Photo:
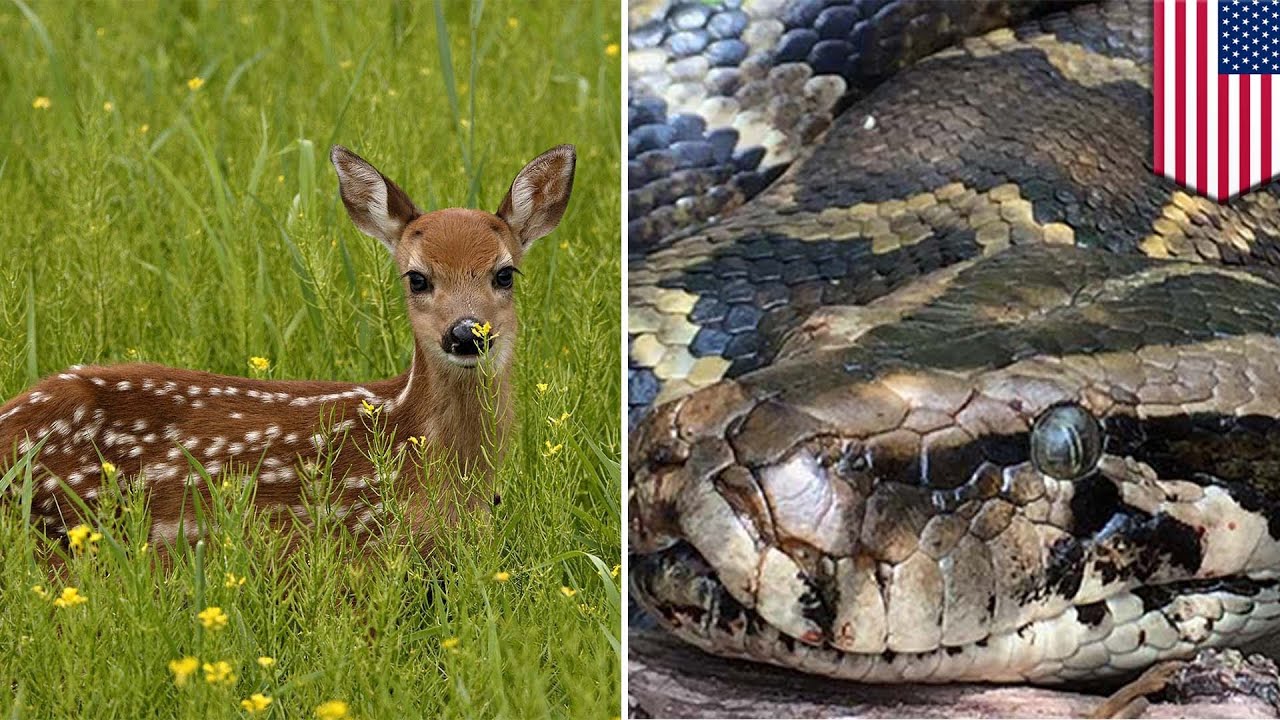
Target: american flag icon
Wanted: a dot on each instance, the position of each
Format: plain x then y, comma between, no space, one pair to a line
1215,111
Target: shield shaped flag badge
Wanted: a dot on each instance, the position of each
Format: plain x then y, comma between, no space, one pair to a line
1215,110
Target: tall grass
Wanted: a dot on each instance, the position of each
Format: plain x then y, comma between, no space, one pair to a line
167,197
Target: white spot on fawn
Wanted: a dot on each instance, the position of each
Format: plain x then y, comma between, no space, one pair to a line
136,451
79,414
148,383
235,449
215,447
253,436
197,404
194,391
139,425
149,438
236,416
124,386
98,381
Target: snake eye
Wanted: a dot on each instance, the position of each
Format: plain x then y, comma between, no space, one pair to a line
1066,442
418,283
504,278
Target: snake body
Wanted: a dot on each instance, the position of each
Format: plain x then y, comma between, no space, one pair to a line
967,393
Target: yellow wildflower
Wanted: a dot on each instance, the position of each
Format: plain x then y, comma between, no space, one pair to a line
108,469
219,673
260,364
564,244
450,644
232,581
502,576
195,83
143,128
615,570
100,32
82,537
183,669
256,703
567,591
332,710
41,103
542,388
266,661
40,592
70,597
345,64
108,106
212,618
551,449
556,421
513,23
612,49
482,331
369,409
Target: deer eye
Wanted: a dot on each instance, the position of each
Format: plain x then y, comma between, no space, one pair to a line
418,283
504,278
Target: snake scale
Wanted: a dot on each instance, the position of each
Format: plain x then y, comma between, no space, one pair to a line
966,393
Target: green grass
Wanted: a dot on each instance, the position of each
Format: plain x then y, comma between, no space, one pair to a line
146,220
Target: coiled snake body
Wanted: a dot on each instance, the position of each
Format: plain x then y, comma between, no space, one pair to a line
967,393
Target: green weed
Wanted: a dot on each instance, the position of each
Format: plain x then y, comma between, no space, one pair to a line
167,198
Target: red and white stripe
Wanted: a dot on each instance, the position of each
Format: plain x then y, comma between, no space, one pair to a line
1212,132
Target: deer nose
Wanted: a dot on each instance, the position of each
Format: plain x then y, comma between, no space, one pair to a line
460,340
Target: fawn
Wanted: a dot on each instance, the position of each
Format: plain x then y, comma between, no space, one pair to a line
458,267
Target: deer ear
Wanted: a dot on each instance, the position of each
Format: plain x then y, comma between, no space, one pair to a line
540,193
377,206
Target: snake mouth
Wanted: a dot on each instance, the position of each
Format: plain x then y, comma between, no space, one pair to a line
1105,639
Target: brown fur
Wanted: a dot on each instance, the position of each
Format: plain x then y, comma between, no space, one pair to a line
140,417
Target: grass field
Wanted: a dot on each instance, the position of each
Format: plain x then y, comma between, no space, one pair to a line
167,197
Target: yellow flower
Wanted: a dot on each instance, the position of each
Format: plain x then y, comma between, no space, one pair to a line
256,703
615,570
195,83
108,469
345,64
219,673
212,618
542,388
232,581
82,537
40,592
551,449
100,32
41,103
70,597
564,244
482,331
567,591
368,409
183,669
450,644
612,49
259,364
556,421
266,661
502,576
332,710
513,23
108,106
143,128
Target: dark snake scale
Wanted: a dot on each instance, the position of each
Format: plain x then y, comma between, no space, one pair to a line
931,378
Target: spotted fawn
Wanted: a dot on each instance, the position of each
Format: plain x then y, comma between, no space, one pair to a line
141,421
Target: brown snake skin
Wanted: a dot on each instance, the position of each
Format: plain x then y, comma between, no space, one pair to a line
1009,408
